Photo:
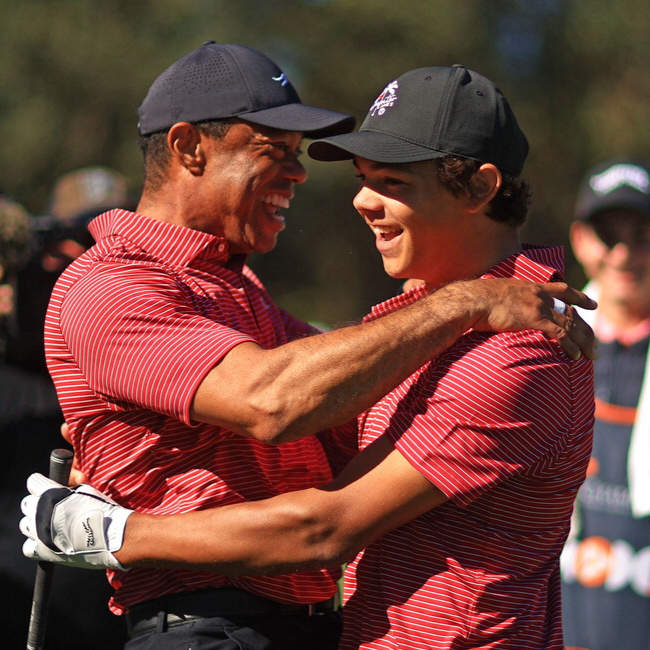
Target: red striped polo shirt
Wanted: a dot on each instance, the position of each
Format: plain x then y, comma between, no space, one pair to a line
502,425
133,327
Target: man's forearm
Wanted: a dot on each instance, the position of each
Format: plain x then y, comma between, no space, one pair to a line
313,383
308,529
308,385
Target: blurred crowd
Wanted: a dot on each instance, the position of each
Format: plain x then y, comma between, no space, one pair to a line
34,249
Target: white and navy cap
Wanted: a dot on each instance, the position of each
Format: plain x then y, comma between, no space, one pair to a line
220,81
617,183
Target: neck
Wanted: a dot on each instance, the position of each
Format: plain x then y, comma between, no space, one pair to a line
173,206
482,253
160,208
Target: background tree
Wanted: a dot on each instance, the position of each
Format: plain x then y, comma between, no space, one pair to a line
72,73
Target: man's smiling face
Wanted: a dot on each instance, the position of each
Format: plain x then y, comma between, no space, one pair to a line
252,173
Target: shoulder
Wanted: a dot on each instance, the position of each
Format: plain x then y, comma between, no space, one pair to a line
505,352
508,373
106,292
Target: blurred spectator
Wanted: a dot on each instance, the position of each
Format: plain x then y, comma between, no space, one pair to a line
20,393
87,190
15,248
61,236
30,419
606,561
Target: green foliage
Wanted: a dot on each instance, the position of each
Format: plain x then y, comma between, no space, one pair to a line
72,73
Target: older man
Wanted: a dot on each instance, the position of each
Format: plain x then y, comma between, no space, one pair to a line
462,492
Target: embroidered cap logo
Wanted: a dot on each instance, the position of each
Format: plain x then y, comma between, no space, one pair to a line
387,98
282,79
619,175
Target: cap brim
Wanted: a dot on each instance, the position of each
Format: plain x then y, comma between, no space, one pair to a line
587,213
373,145
314,122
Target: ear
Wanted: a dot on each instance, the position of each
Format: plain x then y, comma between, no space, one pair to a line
588,248
483,186
582,238
185,143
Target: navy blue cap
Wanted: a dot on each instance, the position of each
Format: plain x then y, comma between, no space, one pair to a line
220,81
430,112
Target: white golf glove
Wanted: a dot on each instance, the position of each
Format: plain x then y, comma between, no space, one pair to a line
80,527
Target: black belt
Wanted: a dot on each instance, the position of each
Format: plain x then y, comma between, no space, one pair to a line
226,602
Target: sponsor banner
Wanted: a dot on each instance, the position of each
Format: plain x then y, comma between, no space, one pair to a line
610,565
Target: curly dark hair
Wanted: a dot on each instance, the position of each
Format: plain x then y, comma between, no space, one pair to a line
511,203
156,152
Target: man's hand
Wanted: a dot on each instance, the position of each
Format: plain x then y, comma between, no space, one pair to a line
512,305
80,527
77,477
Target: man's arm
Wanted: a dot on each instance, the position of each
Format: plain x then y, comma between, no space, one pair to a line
305,386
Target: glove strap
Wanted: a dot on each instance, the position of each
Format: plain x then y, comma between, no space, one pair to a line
44,510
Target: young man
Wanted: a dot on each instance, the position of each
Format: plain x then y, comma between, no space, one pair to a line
606,591
454,512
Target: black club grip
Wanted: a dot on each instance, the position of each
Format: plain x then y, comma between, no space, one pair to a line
59,471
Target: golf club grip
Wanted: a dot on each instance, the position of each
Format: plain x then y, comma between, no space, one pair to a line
60,466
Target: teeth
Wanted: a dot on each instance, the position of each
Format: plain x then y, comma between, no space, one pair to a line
277,200
382,230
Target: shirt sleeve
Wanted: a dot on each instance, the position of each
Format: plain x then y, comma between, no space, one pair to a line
492,407
141,339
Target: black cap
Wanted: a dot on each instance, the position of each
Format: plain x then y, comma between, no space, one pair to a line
219,81
430,112
617,183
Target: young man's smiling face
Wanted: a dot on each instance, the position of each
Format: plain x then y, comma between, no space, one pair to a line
420,227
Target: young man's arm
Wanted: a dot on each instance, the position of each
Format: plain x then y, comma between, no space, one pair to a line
309,529
305,386
313,528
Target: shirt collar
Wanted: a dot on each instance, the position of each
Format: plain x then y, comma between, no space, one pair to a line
608,332
533,263
175,244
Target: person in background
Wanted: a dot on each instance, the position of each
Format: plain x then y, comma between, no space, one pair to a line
454,513
30,419
21,392
60,236
15,248
606,562
28,396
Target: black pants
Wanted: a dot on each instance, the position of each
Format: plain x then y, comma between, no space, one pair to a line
287,632
231,619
